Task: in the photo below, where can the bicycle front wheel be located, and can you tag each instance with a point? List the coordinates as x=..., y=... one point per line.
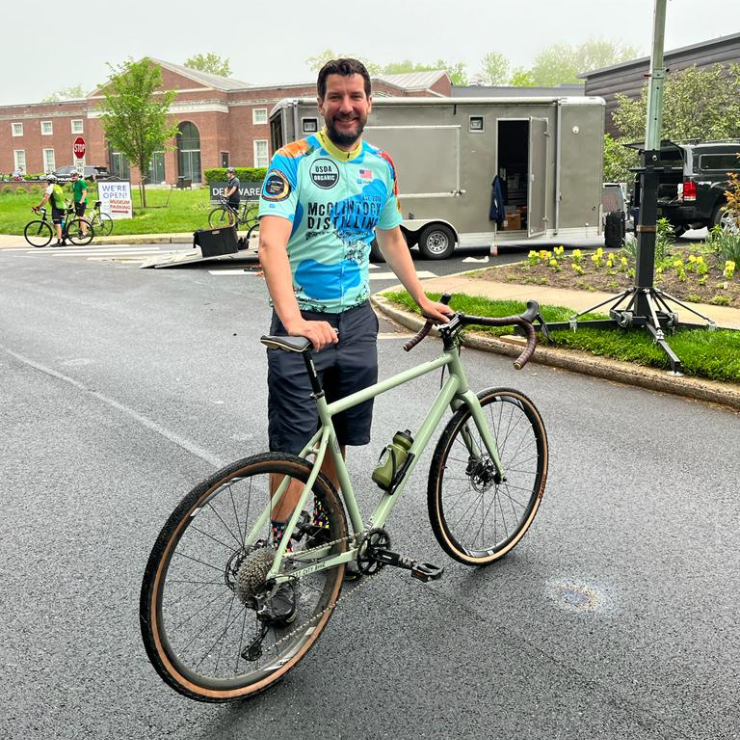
x=477, y=517
x=38, y=233
x=205, y=581
x=220, y=217
x=79, y=231
x=103, y=224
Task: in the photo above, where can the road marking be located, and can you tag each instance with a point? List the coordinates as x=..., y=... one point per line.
x=392, y=275
x=104, y=253
x=243, y=271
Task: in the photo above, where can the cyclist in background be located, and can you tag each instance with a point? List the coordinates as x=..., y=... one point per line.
x=232, y=189
x=54, y=195
x=79, y=194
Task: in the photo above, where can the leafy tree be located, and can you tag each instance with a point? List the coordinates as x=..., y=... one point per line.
x=562, y=63
x=134, y=118
x=317, y=62
x=65, y=93
x=211, y=63
x=698, y=103
x=617, y=160
x=521, y=77
x=495, y=69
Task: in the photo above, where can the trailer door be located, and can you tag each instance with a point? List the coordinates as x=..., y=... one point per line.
x=537, y=191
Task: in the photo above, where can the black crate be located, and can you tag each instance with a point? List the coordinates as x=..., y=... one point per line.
x=213, y=242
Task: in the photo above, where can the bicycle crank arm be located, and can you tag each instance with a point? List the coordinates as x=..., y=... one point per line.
x=425, y=572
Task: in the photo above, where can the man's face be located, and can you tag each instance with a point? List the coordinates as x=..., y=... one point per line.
x=345, y=109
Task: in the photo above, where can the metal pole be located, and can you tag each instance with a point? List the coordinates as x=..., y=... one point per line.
x=646, y=229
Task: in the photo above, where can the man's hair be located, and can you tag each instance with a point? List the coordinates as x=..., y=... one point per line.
x=344, y=67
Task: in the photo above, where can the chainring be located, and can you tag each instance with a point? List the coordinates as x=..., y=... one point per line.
x=374, y=538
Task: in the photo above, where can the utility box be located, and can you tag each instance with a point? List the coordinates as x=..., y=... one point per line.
x=540, y=158
x=215, y=242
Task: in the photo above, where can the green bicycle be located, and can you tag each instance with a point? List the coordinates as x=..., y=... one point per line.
x=207, y=608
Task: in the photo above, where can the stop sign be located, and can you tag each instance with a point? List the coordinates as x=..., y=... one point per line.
x=78, y=147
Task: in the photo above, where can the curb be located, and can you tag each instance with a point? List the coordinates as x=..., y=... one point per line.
x=707, y=391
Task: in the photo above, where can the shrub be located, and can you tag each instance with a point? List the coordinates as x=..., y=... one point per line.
x=724, y=244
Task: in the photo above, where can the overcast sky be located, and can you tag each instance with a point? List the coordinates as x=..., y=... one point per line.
x=269, y=42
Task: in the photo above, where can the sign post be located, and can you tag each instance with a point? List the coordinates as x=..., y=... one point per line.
x=78, y=151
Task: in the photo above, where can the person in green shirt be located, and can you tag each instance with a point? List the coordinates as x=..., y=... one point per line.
x=79, y=192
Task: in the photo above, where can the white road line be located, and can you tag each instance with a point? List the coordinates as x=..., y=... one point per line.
x=105, y=253
x=392, y=275
x=233, y=272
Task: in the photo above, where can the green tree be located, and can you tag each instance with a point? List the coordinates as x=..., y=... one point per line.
x=317, y=62
x=617, y=160
x=495, y=69
x=521, y=77
x=698, y=103
x=66, y=93
x=134, y=114
x=211, y=63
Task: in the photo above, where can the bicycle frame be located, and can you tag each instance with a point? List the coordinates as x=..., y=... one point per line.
x=453, y=394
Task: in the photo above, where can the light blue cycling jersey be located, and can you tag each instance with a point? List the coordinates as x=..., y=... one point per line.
x=335, y=200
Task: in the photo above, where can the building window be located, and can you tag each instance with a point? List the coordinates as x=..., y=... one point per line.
x=17, y=129
x=46, y=128
x=77, y=126
x=476, y=124
x=19, y=156
x=261, y=153
x=259, y=115
x=224, y=159
x=310, y=125
x=49, y=163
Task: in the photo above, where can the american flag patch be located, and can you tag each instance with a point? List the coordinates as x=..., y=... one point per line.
x=366, y=174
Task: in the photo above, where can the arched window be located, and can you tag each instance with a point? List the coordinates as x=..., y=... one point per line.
x=188, y=151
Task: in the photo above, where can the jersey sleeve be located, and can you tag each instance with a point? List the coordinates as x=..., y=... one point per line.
x=279, y=196
x=390, y=215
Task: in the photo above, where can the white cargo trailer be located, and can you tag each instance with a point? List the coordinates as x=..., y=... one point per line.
x=545, y=155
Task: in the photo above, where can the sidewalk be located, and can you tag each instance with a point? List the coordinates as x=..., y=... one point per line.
x=16, y=242
x=726, y=394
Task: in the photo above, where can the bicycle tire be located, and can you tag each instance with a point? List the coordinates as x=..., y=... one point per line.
x=38, y=233
x=200, y=536
x=475, y=519
x=220, y=217
x=254, y=230
x=102, y=223
x=73, y=231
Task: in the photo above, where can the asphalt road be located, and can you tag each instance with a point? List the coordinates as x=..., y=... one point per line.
x=615, y=617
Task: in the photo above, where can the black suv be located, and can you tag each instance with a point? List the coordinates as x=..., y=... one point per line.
x=691, y=190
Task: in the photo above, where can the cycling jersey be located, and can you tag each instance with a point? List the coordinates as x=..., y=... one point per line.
x=56, y=196
x=335, y=200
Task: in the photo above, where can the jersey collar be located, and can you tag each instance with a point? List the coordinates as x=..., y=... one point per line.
x=335, y=152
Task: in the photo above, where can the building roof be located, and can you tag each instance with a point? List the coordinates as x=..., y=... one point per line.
x=413, y=80
x=720, y=41
x=216, y=81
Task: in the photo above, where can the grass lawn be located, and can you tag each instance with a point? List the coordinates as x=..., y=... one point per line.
x=704, y=354
x=176, y=211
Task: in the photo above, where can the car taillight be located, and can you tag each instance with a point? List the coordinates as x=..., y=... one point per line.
x=689, y=190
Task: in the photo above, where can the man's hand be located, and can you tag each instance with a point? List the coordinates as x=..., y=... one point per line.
x=437, y=312
x=320, y=333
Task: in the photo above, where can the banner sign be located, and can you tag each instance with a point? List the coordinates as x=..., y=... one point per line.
x=247, y=190
x=115, y=198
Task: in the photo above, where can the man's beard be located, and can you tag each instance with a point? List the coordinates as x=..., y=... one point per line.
x=341, y=139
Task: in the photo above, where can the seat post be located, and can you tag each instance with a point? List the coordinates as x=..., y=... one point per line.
x=318, y=391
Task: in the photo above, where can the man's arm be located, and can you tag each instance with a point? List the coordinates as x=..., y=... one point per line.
x=273, y=256
x=397, y=255
x=44, y=200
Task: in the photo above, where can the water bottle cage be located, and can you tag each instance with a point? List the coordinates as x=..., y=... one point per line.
x=400, y=473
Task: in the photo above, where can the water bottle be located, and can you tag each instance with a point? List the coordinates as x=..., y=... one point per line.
x=392, y=459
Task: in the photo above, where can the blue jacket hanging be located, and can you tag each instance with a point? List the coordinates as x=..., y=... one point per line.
x=498, y=202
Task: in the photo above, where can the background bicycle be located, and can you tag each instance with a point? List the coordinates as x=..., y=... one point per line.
x=101, y=222
x=39, y=233
x=245, y=218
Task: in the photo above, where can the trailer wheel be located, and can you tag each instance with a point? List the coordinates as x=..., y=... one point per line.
x=437, y=242
x=375, y=254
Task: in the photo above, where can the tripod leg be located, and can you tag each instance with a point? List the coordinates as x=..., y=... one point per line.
x=655, y=329
x=663, y=295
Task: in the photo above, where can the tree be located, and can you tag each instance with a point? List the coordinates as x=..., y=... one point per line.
x=65, y=93
x=134, y=114
x=698, y=103
x=211, y=63
x=495, y=69
x=618, y=160
x=317, y=62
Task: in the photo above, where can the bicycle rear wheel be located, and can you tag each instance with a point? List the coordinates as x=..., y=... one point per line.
x=477, y=518
x=220, y=217
x=75, y=233
x=203, y=583
x=102, y=224
x=38, y=233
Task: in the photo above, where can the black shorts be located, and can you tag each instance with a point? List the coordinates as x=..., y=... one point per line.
x=343, y=368
x=80, y=209
x=57, y=215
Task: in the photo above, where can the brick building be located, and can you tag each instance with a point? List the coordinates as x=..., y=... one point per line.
x=222, y=122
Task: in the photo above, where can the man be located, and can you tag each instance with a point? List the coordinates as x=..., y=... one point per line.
x=323, y=201
x=232, y=189
x=79, y=194
x=55, y=196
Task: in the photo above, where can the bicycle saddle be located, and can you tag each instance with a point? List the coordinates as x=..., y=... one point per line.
x=289, y=344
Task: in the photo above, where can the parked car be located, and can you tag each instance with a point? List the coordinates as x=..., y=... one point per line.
x=64, y=174
x=691, y=190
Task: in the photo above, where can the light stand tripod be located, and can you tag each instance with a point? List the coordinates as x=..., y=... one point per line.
x=644, y=306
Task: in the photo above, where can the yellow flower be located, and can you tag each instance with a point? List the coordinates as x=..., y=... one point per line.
x=577, y=253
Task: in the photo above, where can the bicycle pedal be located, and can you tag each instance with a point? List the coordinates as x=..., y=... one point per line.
x=426, y=572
